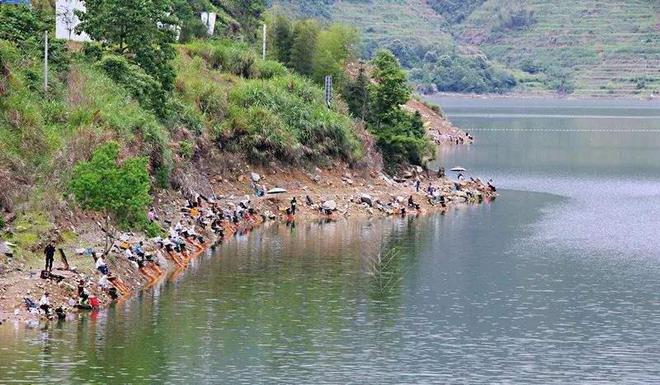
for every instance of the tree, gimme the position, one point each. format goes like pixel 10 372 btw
pixel 335 47
pixel 119 191
pixel 282 36
pixel 390 89
pixel 303 49
pixel 142 30
pixel 356 94
pixel 400 135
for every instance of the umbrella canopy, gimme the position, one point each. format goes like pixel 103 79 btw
pixel 458 169
pixel 276 190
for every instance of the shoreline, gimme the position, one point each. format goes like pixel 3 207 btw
pixel 369 195
pixel 540 96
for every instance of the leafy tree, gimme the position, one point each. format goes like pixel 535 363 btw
pixel 400 135
pixel 119 191
pixel 142 30
pixel 336 46
pixel 282 36
pixel 390 89
pixel 305 36
pixel 356 94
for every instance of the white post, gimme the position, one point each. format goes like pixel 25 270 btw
pixel 263 50
pixel 46 61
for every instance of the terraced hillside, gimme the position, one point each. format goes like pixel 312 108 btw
pixel 587 47
pixel 611 47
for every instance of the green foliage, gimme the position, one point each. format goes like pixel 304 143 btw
pixel 313 51
pixel 187 12
pixel 25 28
pixel 305 36
pixel 456 73
pixel 144 31
pixel 144 88
pixel 104 185
pixel 400 135
pixel 247 13
pixel 285 118
pixel 356 94
pixel 227 56
pixel 336 47
pixel 282 37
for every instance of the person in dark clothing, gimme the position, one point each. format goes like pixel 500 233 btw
pixel 82 292
pixel 49 252
pixel 294 203
pixel 418 183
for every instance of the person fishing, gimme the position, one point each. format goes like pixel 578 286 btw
pixel 101 265
pixel 49 252
pixel 294 204
pixel 82 293
pixel 44 303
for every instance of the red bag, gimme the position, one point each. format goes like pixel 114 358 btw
pixel 94 302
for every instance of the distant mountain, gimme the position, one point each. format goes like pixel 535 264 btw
pixel 586 47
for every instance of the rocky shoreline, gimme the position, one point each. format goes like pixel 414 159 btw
pixel 320 194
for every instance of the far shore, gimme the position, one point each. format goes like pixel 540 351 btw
pixel 541 96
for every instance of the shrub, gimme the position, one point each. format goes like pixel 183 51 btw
pixel 148 92
pixel 269 69
pixel 285 118
pixel 104 185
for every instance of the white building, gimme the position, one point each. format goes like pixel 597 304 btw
pixel 66 20
pixel 208 18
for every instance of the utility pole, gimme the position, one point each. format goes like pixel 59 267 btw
pixel 328 90
pixel 263 49
pixel 45 61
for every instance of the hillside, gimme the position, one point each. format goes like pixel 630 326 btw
pixel 593 47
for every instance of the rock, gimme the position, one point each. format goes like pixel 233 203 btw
pixel 366 198
pixel 418 169
pixel 255 177
pixel 329 205
pixel 317 178
pixel 407 175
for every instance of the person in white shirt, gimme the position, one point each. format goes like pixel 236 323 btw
pixel 44 303
pixel 101 266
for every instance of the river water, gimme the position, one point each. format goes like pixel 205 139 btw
pixel 557 281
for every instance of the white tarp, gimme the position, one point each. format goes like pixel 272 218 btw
pixel 66 20
pixel 208 18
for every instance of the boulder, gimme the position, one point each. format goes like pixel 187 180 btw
pixel 329 205
pixel 408 175
pixel 255 177
pixel 366 198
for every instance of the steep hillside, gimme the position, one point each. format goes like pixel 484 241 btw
pixel 592 47
pixel 609 47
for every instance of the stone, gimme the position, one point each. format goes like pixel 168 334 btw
pixel 255 177
pixel 366 198
pixel 329 205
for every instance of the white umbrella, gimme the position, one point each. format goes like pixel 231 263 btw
pixel 276 190
pixel 458 169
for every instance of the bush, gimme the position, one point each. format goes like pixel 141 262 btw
pixel 269 69
pixel 147 90
pixel 285 118
pixel 104 185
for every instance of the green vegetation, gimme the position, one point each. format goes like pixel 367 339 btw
pixel 400 135
pixel 119 117
pixel 586 47
pixel 312 50
pixel 143 31
pixel 118 190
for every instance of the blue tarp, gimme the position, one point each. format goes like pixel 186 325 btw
pixel 23 2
